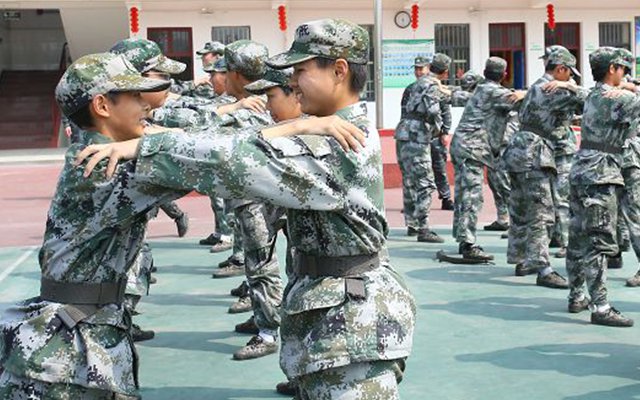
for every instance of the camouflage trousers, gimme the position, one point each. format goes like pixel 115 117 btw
pixel 221 215
pixel 500 186
pixel 439 165
pixel 260 224
pixel 532 217
pixel 171 209
pixel 469 177
pixel 377 380
pixel 18 388
pixel 629 227
pixel 560 190
pixel 592 239
pixel 417 182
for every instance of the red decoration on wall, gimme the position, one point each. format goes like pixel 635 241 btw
pixel 134 21
pixel 415 10
pixel 551 16
pixel 282 18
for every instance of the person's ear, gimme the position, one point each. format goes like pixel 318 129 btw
pixel 341 69
pixel 101 106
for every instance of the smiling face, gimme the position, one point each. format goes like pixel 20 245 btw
pixel 121 118
pixel 314 87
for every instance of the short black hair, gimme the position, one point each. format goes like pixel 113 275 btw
pixel 493 75
pixel 359 73
pixel 286 89
pixel 601 71
pixel 83 118
pixel 551 67
pixel 436 70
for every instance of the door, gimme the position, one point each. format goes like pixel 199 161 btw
pixel 175 43
pixel 508 41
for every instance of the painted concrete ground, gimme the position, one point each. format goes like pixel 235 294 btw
pixel 482 333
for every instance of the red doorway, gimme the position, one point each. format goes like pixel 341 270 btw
pixel 508 41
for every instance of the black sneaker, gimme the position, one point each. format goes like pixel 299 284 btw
pixel 614 262
pixel 210 240
pixel 634 281
pixel 229 261
pixel 249 326
pixel 504 236
pixel 255 348
pixel 240 291
pixel 522 270
pixel 575 306
pixel 473 252
pixel 427 236
pixel 497 226
pixel 555 243
pixel 182 224
pixel 287 388
pixel 138 335
pixel 553 280
pixel 411 231
pixel 611 317
pixel 447 205
pixel 235 268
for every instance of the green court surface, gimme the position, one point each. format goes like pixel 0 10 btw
pixel 481 332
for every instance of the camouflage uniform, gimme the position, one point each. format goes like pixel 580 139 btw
pixel 498 177
pixel 544 119
pixel 188 88
pixel 597 182
pixel 476 142
pixel 49 346
pixel 331 326
pixel 422 120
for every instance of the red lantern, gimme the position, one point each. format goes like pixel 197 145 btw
pixel 551 17
pixel 415 9
pixel 282 18
pixel 134 22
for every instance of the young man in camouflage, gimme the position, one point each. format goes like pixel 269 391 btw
pixel 426 115
pixel 596 185
pixel 348 317
pixel 476 142
pixel 545 114
pixel 460 95
pixel 201 88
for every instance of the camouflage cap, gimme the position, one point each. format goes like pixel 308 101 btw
pixel 220 65
pixel 420 61
pixel 211 47
pixel 470 80
pixel 101 73
pixel 548 50
pixel 247 57
pixel 496 65
pixel 272 78
pixel 559 55
pixel 440 61
pixel 627 57
pixel 605 56
pixel 146 55
pixel 327 38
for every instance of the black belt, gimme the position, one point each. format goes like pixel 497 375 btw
pixel 338 267
pixel 606 148
pixel 83 293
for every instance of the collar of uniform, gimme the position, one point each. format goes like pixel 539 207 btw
pixel 353 111
pixel 548 77
pixel 95 137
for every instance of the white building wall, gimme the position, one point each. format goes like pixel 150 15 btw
pixel 264 28
pixel 94 30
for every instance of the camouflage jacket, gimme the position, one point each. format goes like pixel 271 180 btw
pixel 189 112
pixel 188 88
pixel 425 111
pixel 544 121
pixel 459 96
pixel 605 121
pixel 335 207
pixel 95 230
pixel 480 133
